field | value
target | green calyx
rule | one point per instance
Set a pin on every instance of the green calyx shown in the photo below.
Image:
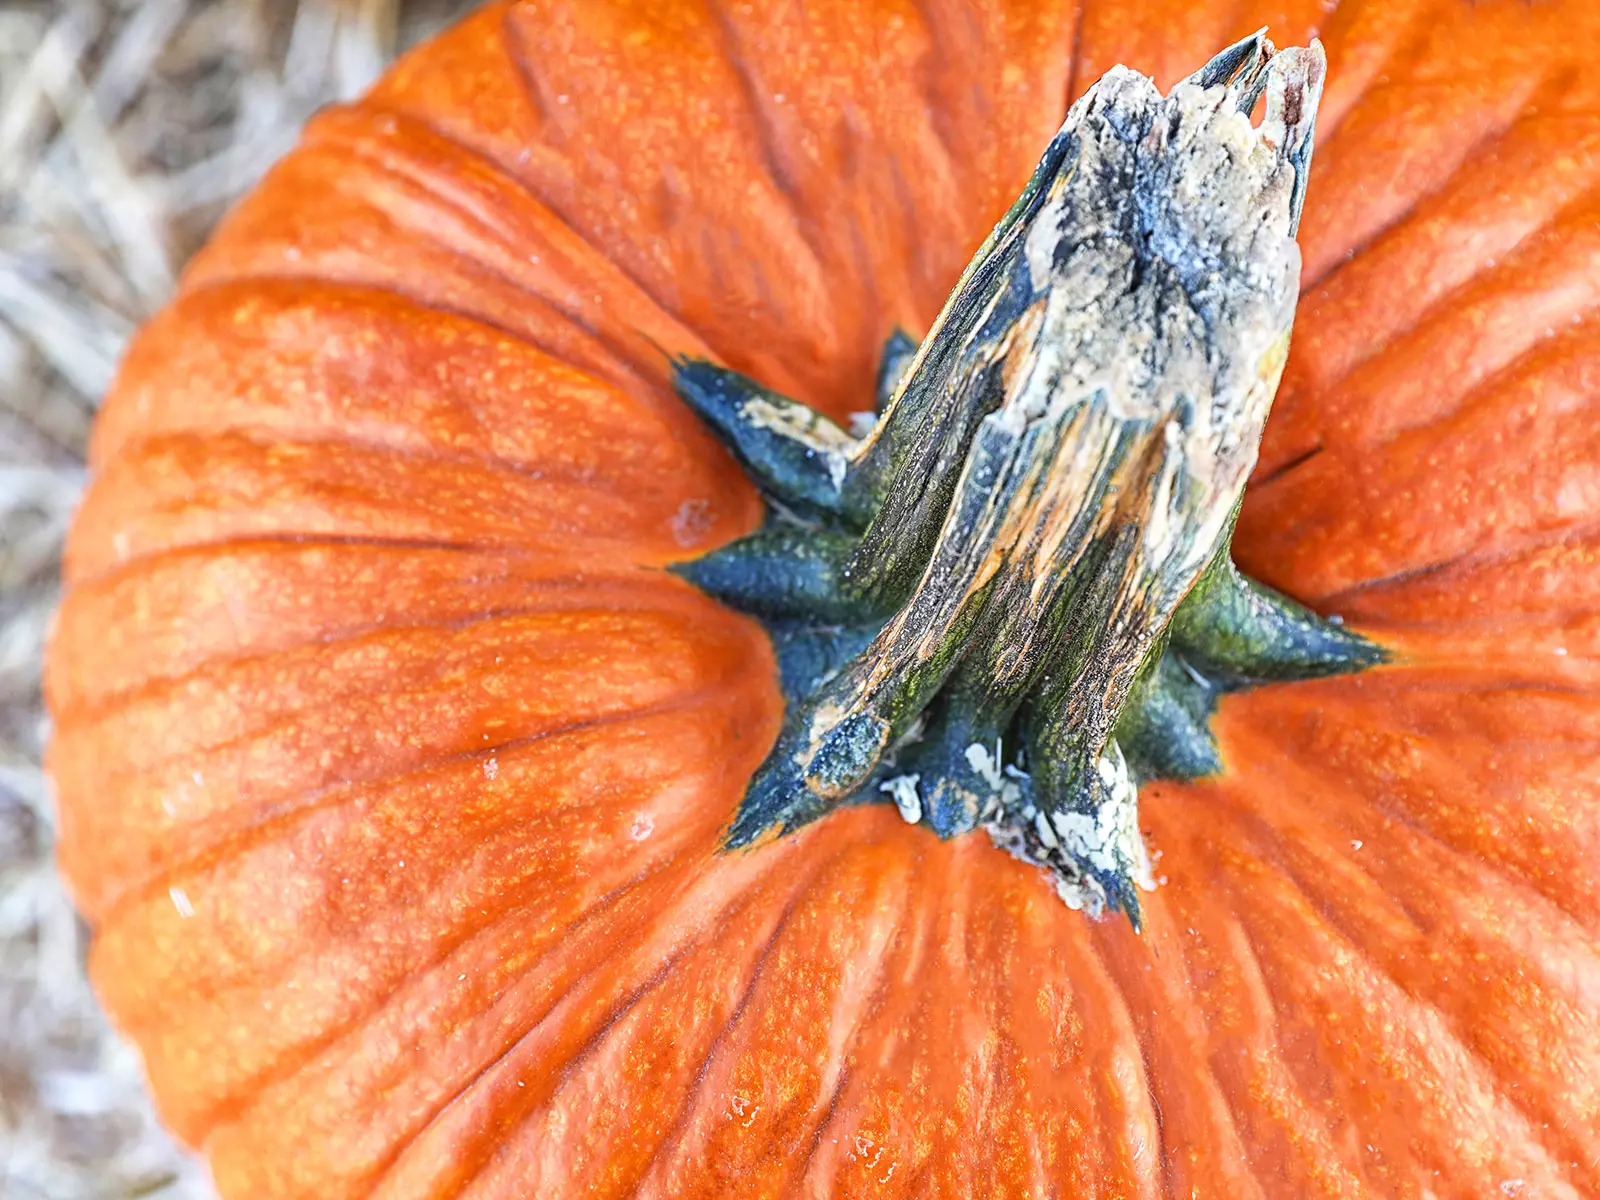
(1012, 602)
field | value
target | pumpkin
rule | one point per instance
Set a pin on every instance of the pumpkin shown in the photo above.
(432, 618)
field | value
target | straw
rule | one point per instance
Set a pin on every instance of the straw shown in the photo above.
(126, 128)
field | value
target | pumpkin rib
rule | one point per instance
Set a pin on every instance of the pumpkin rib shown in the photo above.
(427, 683)
(1116, 1110)
(1497, 209)
(236, 1106)
(113, 704)
(1287, 1131)
(1434, 817)
(232, 1110)
(745, 1033)
(345, 960)
(288, 620)
(1551, 347)
(1365, 598)
(723, 125)
(326, 786)
(1473, 238)
(185, 490)
(265, 435)
(1469, 157)
(1541, 479)
(1437, 1026)
(688, 1104)
(1420, 59)
(1468, 204)
(1351, 83)
(917, 949)
(1505, 283)
(245, 837)
(226, 262)
(1075, 82)
(370, 393)
(70, 718)
(767, 147)
(1312, 880)
(877, 130)
(595, 1043)
(1481, 583)
(109, 574)
(628, 379)
(235, 793)
(1173, 1035)
(430, 185)
(736, 901)
(938, 55)
(675, 873)
(1378, 1174)
(892, 1020)
(1557, 897)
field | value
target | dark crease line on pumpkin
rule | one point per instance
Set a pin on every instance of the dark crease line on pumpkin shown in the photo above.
(766, 134)
(272, 440)
(1470, 156)
(937, 110)
(1256, 1045)
(1427, 842)
(631, 371)
(1468, 557)
(917, 957)
(276, 817)
(1436, 426)
(108, 574)
(688, 1106)
(913, 909)
(1446, 680)
(1473, 559)
(523, 65)
(619, 1011)
(616, 594)
(402, 168)
(997, 986)
(577, 558)
(1098, 1093)
(515, 1042)
(628, 373)
(523, 68)
(1425, 720)
(1526, 887)
(157, 690)
(622, 374)
(1405, 44)
(1415, 1008)
(1278, 472)
(242, 1100)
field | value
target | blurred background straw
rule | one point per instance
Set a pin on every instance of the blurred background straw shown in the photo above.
(127, 127)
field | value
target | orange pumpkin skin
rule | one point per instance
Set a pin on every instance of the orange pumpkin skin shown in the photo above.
(392, 768)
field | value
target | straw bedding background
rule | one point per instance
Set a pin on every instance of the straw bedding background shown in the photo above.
(126, 129)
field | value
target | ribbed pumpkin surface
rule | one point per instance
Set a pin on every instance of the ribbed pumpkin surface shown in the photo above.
(392, 769)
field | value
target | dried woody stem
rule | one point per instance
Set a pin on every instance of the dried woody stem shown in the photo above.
(1000, 563)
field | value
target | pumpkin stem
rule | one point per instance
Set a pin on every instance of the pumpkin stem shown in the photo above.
(1024, 564)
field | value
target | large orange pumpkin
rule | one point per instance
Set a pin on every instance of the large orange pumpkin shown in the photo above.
(395, 772)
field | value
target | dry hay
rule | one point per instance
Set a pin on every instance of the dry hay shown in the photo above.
(126, 128)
